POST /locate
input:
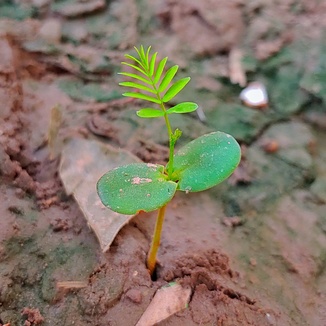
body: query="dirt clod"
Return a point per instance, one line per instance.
(102, 127)
(34, 316)
(196, 268)
(233, 221)
(134, 295)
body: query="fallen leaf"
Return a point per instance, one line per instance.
(166, 302)
(80, 9)
(83, 162)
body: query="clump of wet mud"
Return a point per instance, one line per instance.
(192, 266)
(216, 26)
(13, 159)
(19, 165)
(214, 286)
(45, 241)
(33, 317)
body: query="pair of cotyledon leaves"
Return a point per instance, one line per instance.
(201, 164)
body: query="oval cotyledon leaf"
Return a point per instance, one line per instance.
(135, 187)
(206, 161)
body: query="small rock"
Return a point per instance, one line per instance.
(232, 221)
(25, 181)
(253, 262)
(34, 316)
(8, 167)
(12, 147)
(271, 146)
(51, 31)
(134, 295)
(255, 95)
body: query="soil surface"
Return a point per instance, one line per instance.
(253, 249)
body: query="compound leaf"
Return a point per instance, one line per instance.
(167, 78)
(135, 187)
(150, 113)
(184, 107)
(175, 89)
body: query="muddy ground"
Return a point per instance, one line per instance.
(252, 250)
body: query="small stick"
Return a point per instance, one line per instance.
(70, 285)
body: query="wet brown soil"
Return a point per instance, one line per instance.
(251, 256)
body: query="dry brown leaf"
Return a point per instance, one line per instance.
(236, 71)
(82, 8)
(83, 162)
(166, 302)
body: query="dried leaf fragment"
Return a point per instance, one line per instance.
(55, 123)
(237, 73)
(83, 162)
(82, 8)
(167, 301)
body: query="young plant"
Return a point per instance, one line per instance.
(199, 165)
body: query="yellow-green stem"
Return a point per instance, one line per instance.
(171, 142)
(151, 258)
(168, 126)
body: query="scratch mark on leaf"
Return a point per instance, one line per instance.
(138, 180)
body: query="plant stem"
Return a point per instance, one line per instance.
(171, 142)
(151, 258)
(168, 126)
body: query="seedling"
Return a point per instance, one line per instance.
(199, 165)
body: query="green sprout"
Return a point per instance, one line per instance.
(199, 165)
